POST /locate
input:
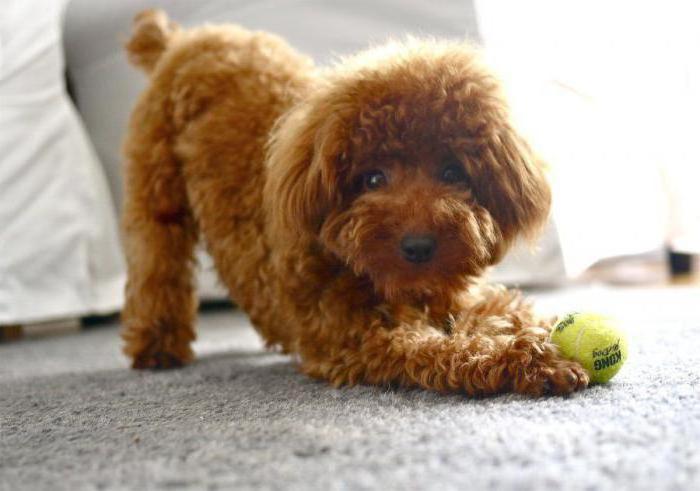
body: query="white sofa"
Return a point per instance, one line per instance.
(59, 248)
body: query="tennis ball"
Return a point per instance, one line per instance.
(594, 341)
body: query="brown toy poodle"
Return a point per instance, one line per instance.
(349, 211)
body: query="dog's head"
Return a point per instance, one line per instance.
(403, 164)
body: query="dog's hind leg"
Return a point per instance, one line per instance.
(160, 236)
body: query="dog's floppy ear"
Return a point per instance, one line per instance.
(516, 191)
(303, 161)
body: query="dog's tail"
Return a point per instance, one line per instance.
(152, 33)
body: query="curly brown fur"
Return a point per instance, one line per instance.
(305, 186)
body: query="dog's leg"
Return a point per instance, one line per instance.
(160, 237)
(497, 312)
(477, 363)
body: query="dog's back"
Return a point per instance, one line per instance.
(195, 155)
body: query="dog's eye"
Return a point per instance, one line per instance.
(453, 173)
(374, 179)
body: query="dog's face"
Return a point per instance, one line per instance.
(407, 171)
(410, 219)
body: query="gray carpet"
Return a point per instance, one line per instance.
(73, 417)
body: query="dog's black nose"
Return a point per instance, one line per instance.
(418, 248)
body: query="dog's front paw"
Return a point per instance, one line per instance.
(562, 378)
(556, 376)
(538, 368)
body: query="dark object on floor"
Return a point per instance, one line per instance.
(10, 333)
(96, 320)
(681, 263)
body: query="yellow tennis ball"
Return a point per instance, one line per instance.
(594, 341)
